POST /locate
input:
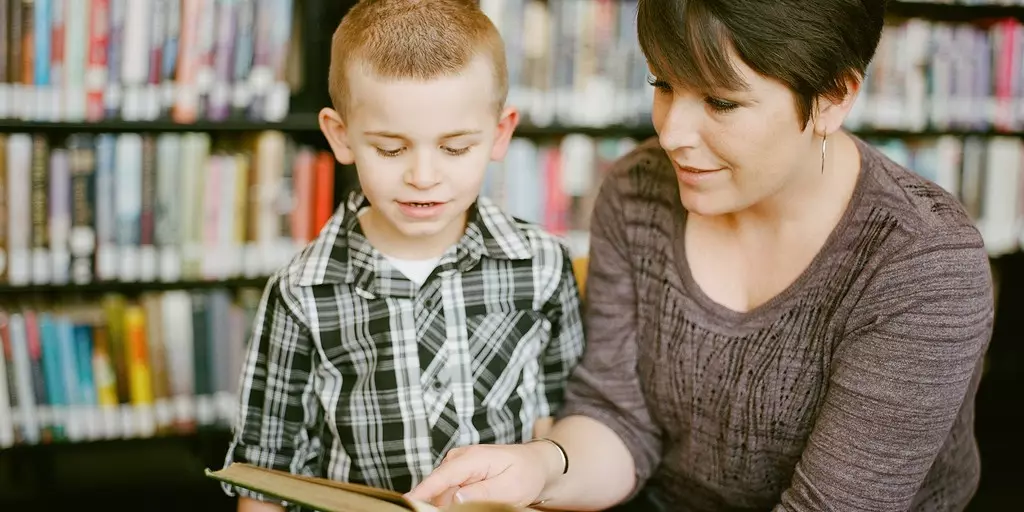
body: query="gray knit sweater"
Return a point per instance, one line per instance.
(851, 390)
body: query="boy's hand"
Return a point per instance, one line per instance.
(542, 426)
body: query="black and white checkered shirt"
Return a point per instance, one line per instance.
(356, 374)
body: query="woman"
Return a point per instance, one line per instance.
(779, 317)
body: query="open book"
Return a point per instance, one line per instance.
(329, 495)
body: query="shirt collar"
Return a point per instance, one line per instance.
(342, 254)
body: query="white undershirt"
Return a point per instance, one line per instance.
(416, 271)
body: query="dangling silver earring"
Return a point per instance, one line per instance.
(824, 141)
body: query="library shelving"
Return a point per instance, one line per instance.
(944, 126)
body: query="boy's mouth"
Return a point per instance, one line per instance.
(422, 210)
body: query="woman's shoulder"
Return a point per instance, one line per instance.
(923, 212)
(918, 252)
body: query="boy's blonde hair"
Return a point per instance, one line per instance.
(414, 39)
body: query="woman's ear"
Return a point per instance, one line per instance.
(830, 112)
(334, 129)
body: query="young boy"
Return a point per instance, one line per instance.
(422, 318)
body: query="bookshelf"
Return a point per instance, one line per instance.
(300, 123)
(953, 10)
(553, 140)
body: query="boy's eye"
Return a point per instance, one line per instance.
(455, 151)
(388, 152)
(720, 105)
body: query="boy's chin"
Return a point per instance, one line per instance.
(422, 229)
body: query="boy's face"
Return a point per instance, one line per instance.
(421, 149)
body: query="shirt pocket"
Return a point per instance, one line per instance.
(504, 349)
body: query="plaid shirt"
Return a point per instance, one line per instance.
(401, 373)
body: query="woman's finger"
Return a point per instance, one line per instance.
(454, 473)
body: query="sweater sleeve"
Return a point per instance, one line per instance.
(606, 385)
(899, 380)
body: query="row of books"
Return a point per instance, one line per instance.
(169, 207)
(578, 63)
(122, 367)
(573, 62)
(72, 60)
(157, 207)
(945, 76)
(555, 182)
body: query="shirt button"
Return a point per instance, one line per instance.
(438, 386)
(428, 303)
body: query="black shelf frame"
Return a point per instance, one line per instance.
(306, 123)
(129, 287)
(295, 122)
(954, 12)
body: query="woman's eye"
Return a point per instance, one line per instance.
(720, 105)
(455, 151)
(660, 85)
(388, 152)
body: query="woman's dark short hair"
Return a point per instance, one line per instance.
(812, 46)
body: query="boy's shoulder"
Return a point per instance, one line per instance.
(519, 237)
(321, 260)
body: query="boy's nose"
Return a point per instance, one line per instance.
(422, 174)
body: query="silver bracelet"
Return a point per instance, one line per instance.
(565, 456)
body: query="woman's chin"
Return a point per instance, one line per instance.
(705, 203)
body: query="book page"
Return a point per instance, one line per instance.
(317, 493)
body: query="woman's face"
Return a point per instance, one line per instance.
(733, 149)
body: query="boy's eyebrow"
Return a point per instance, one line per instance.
(449, 135)
(459, 133)
(387, 135)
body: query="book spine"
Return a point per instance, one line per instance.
(128, 201)
(96, 70)
(186, 101)
(220, 91)
(243, 56)
(83, 208)
(26, 421)
(52, 100)
(7, 438)
(151, 102)
(4, 211)
(26, 101)
(59, 199)
(106, 250)
(170, 56)
(148, 256)
(40, 219)
(5, 79)
(19, 194)
(41, 31)
(76, 46)
(135, 62)
(113, 94)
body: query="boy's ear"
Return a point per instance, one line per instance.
(336, 133)
(506, 126)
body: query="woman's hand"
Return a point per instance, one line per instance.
(513, 474)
